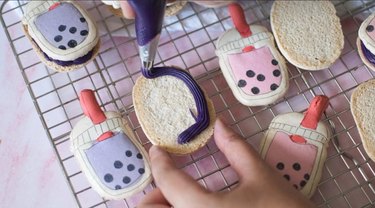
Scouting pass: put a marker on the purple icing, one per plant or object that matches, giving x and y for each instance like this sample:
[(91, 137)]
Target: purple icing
[(115, 169), (77, 61), (370, 57), (62, 26), (80, 60), (203, 119)]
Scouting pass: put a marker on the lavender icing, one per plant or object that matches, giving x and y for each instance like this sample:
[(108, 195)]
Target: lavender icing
[(370, 57), (202, 120)]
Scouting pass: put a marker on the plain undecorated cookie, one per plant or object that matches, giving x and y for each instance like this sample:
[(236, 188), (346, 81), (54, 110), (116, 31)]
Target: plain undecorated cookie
[(362, 105), (162, 106), (308, 33)]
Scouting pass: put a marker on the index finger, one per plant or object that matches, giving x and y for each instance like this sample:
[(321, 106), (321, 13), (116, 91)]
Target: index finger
[(177, 187), (127, 10)]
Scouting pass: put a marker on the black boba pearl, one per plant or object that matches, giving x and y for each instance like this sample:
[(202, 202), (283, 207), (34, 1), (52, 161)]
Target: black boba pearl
[(126, 180), (84, 32), (72, 43), (141, 170), (306, 176), (276, 73), (58, 38), (287, 177), (62, 47), (274, 62), (261, 77), (82, 19), (280, 166), (250, 73), (302, 183), (295, 186), (274, 87), (73, 30), (296, 166), (118, 164), (62, 28), (117, 187), (108, 178), (370, 28), (139, 156), (128, 153), (241, 83), (131, 167), (255, 90)]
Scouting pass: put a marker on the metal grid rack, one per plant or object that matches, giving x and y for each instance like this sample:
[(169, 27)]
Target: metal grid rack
[(348, 172)]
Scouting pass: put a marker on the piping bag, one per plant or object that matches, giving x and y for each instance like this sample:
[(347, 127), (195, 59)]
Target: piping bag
[(149, 16)]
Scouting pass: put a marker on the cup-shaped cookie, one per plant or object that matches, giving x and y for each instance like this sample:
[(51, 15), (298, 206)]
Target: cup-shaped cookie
[(295, 145), (113, 161), (366, 41), (62, 33), (253, 68)]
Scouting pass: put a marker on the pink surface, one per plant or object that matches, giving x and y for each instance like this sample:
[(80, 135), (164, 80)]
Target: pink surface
[(30, 173), (259, 61), (32, 176), (292, 160)]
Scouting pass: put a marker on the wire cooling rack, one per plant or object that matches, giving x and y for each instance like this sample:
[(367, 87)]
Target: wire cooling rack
[(188, 41)]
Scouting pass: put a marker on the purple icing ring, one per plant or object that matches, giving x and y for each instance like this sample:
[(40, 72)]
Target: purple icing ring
[(370, 57), (203, 119)]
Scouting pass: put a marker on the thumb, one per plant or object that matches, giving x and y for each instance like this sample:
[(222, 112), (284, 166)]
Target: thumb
[(177, 187)]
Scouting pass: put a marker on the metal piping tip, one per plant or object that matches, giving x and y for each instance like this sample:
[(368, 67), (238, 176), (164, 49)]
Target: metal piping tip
[(147, 52), (147, 65)]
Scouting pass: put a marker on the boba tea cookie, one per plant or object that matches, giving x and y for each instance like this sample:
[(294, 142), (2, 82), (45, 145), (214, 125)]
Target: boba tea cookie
[(253, 68), (308, 33), (62, 34), (295, 145), (366, 42), (173, 111), (363, 110), (172, 8), (115, 164)]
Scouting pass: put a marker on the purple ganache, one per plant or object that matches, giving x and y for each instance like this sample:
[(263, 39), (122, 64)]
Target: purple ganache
[(370, 57), (203, 119), (77, 61)]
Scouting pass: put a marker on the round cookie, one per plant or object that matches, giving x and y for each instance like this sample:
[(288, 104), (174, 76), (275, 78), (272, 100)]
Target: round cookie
[(308, 33), (165, 107), (362, 104), (366, 41)]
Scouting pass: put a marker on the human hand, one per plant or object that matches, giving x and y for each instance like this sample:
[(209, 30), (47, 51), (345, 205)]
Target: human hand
[(128, 12), (259, 185)]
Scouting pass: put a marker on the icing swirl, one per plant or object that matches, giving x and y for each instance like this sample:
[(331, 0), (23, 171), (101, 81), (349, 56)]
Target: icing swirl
[(202, 120), (370, 57)]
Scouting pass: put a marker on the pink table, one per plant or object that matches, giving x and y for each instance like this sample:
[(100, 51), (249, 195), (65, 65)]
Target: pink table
[(33, 175)]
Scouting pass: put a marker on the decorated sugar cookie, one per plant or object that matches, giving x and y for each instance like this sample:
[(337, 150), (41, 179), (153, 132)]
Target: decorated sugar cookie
[(366, 41), (252, 66), (115, 164), (295, 145), (62, 33)]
